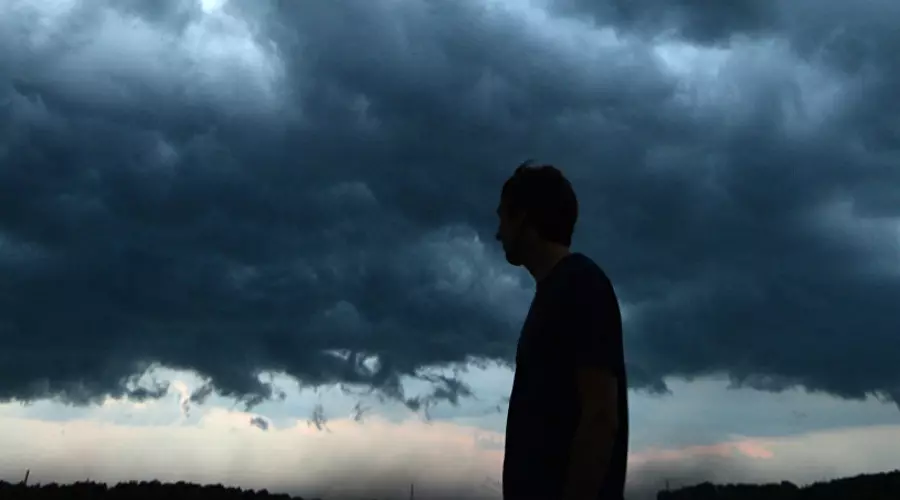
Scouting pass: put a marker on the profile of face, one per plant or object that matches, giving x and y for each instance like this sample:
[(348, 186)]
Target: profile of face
[(512, 234)]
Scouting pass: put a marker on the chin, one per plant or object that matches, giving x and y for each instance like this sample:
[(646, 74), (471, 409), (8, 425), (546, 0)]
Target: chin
[(513, 260)]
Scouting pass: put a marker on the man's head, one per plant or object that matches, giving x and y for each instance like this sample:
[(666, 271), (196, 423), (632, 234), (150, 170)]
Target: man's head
[(537, 207)]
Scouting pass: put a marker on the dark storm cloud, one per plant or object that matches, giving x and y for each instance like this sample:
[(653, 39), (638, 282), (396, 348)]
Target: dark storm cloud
[(802, 21), (260, 423), (696, 19), (309, 188)]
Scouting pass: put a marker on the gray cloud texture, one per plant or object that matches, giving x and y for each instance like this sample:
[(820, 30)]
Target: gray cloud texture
[(309, 188), (260, 423)]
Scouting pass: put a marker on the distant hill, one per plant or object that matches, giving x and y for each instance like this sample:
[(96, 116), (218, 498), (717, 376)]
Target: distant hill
[(884, 486), (143, 490)]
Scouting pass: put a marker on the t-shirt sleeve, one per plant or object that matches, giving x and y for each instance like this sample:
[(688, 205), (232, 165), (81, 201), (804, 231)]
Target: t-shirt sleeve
[(592, 325)]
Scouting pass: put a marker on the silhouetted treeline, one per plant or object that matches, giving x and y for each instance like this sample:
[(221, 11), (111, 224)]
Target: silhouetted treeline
[(143, 490), (884, 486)]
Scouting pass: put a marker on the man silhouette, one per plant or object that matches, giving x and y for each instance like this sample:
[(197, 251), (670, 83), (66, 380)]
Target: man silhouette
[(567, 428)]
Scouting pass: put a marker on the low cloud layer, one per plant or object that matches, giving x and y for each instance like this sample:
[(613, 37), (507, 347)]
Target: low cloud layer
[(239, 188), (379, 459)]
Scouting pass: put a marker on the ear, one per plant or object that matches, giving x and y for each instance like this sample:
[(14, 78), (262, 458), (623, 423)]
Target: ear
[(518, 218), (520, 222)]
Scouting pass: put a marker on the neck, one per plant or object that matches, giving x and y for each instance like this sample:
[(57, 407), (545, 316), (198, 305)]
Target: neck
[(544, 257)]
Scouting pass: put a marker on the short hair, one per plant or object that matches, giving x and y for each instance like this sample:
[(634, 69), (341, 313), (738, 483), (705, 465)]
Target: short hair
[(547, 199)]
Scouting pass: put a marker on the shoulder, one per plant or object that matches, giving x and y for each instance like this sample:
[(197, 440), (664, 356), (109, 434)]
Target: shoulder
[(584, 275), (590, 296)]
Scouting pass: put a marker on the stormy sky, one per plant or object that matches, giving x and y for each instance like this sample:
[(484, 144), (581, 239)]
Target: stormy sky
[(276, 196)]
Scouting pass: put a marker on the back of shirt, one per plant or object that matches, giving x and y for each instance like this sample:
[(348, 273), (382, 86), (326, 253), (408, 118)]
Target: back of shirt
[(574, 321)]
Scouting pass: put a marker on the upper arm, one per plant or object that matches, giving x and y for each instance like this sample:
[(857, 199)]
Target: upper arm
[(592, 325), (598, 392), (594, 335)]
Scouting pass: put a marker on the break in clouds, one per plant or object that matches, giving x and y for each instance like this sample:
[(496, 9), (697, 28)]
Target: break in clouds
[(247, 187)]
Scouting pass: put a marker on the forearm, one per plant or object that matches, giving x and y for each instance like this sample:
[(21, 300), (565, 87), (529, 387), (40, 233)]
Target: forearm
[(589, 459)]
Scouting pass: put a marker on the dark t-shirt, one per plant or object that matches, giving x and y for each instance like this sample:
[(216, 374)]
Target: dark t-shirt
[(574, 321)]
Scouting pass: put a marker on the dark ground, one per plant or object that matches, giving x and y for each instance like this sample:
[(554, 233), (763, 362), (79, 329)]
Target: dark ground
[(884, 486)]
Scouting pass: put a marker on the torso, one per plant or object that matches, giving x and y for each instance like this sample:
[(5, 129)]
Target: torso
[(543, 406)]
